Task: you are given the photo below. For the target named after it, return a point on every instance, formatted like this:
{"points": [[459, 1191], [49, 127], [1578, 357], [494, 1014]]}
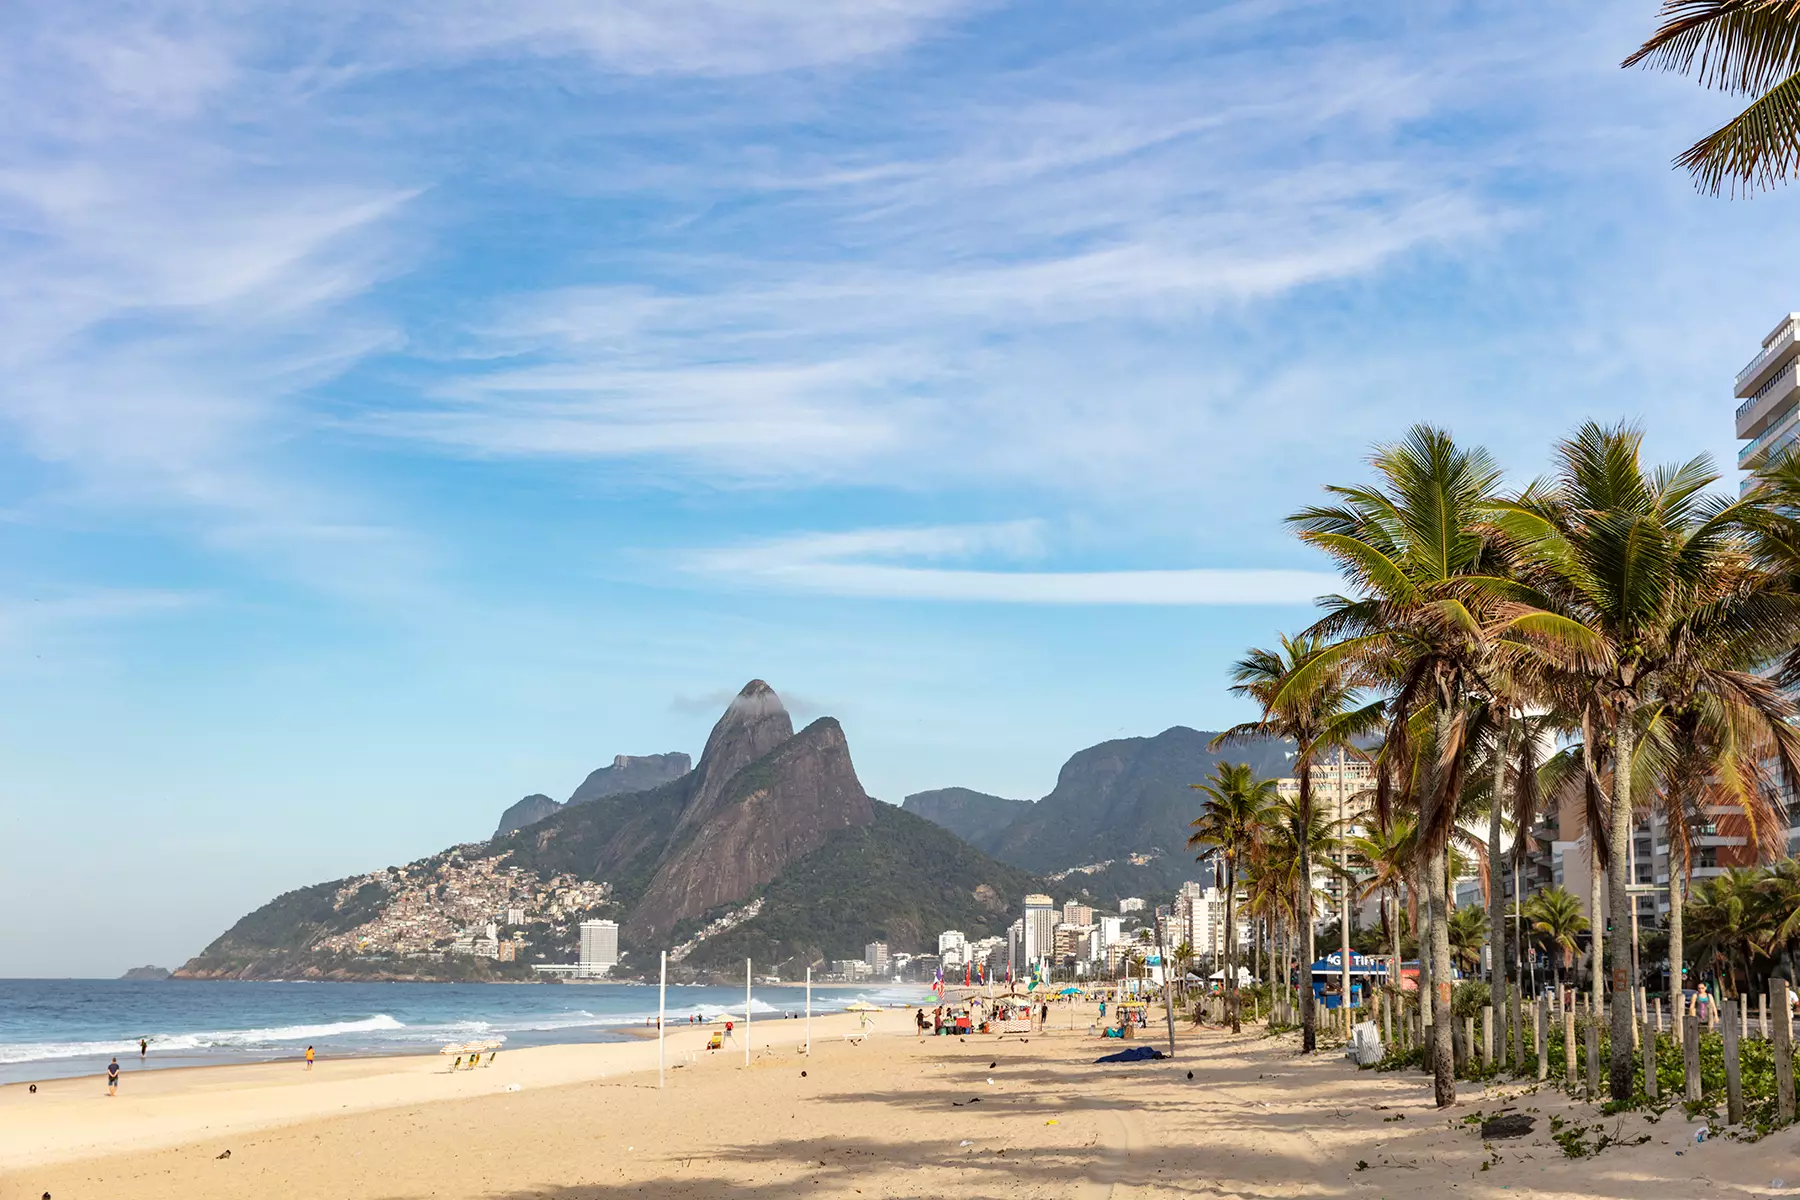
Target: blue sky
{"points": [[404, 408]]}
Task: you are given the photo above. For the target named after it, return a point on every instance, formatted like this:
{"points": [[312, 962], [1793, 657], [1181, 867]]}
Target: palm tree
{"points": [[1657, 592], [1555, 916], [1750, 47], [1388, 853], [1732, 923], [1236, 808], [1434, 605], [1316, 709], [1468, 930]]}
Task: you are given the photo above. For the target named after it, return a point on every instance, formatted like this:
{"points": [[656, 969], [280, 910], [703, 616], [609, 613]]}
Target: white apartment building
{"points": [[1768, 415], [1131, 904], [599, 946], [1039, 934], [953, 948], [876, 955]]}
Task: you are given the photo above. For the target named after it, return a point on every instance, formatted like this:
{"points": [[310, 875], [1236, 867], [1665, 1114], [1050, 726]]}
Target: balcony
{"points": [[1772, 398], [1779, 437], [1749, 379]]}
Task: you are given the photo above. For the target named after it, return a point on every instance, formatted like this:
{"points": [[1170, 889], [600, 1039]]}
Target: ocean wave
{"points": [[213, 1039]]}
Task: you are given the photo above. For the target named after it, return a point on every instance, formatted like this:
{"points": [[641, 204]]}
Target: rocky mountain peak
{"points": [[754, 723]]}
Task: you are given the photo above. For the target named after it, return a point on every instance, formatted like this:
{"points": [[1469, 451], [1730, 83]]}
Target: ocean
{"points": [[55, 1028]]}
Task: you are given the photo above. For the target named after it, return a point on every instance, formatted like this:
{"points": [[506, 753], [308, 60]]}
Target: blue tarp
{"points": [[1135, 1054]]}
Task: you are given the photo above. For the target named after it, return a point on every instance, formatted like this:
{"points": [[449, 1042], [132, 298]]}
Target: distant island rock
{"points": [[156, 973]]}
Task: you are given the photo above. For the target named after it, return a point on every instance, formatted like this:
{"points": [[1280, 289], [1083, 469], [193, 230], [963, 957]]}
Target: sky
{"points": [[405, 408]]}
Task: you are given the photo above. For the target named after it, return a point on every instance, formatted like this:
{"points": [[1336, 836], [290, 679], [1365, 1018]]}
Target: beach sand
{"points": [[890, 1116]]}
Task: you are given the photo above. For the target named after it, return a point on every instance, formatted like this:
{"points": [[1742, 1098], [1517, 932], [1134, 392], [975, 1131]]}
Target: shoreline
{"points": [[69, 1118]]}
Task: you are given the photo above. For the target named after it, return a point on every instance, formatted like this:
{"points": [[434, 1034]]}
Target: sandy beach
{"points": [[887, 1116]]}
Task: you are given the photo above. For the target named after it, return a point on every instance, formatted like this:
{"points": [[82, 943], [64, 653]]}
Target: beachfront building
{"points": [[953, 948], [876, 955], [1077, 914], [1768, 392], [1039, 934], [599, 946]]}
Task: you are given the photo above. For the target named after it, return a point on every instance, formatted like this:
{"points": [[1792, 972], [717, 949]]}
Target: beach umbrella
{"points": [[1071, 991], [861, 1006]]}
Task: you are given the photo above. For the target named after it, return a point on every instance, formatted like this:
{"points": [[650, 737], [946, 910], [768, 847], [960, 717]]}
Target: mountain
{"points": [[528, 811], [700, 851], [632, 773], [909, 879], [1117, 819], [975, 817], [628, 773]]}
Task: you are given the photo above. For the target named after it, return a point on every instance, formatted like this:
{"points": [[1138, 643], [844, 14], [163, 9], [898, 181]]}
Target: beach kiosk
{"points": [[1366, 971]]}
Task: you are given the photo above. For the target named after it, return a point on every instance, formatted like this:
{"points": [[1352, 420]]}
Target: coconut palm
{"points": [[1657, 591], [1316, 708], [1434, 606], [1231, 820], [1749, 47], [1387, 853], [1732, 924], [1554, 917], [1467, 931]]}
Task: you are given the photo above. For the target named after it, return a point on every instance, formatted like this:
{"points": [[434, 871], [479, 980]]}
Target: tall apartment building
{"points": [[1768, 391], [599, 945], [1040, 927], [953, 948], [876, 955], [1077, 914]]}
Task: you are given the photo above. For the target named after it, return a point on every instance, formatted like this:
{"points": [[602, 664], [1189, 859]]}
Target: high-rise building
{"points": [[1040, 927], [599, 945], [953, 948], [515, 916], [1768, 390], [1110, 930], [876, 955], [1077, 914]]}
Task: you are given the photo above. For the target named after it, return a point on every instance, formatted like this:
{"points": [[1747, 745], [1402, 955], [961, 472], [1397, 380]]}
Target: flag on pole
{"points": [[967, 968], [937, 984]]}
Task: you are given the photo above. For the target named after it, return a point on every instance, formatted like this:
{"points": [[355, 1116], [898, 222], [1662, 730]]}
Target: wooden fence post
{"points": [[1734, 1080], [1487, 1036], [1690, 1056], [1762, 1016], [1657, 1024], [1513, 1001], [1650, 1061], [1540, 1029], [1784, 1053], [1593, 1056], [1570, 1078]]}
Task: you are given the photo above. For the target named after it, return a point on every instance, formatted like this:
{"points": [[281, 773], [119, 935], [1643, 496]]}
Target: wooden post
{"points": [[1487, 1035], [1518, 1029], [1762, 1016], [1656, 1023], [1734, 1081], [1568, 1016], [1690, 1056], [1650, 1061], [1784, 1052], [1461, 1034], [1386, 1007], [1593, 1058], [1640, 1011], [1541, 1030]]}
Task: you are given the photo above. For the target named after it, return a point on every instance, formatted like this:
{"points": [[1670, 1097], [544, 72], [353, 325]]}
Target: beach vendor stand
{"points": [[1366, 972]]}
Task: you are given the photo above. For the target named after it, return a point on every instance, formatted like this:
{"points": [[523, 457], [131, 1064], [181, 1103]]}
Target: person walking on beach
{"points": [[919, 1019], [112, 1078], [309, 1058], [143, 1049]]}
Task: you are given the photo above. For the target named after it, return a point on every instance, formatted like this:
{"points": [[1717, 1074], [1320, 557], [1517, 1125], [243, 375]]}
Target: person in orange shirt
{"points": [[309, 1058]]}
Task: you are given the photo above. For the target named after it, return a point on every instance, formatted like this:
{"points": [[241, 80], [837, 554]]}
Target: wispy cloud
{"points": [[858, 563]]}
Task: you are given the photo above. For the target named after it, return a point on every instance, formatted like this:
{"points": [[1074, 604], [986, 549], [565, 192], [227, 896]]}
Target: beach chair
{"points": [[716, 1041]]}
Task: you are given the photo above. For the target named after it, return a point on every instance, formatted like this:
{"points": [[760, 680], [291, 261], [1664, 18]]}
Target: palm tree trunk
{"points": [[1623, 1065], [1231, 944], [1677, 941], [1496, 905], [1439, 1053], [1309, 1018]]}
